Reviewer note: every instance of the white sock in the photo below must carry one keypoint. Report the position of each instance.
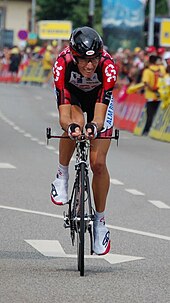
(62, 172)
(100, 217)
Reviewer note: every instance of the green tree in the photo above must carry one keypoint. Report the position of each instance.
(81, 13)
(70, 10)
(55, 10)
(161, 7)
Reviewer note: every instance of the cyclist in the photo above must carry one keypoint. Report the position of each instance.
(84, 77)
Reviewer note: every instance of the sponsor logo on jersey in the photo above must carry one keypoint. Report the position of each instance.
(57, 70)
(108, 123)
(85, 84)
(110, 72)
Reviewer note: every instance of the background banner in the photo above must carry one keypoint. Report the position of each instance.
(123, 23)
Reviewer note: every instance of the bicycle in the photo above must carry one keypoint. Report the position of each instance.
(80, 215)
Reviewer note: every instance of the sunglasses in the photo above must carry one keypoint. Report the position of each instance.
(93, 60)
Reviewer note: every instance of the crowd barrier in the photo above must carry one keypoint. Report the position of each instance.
(31, 73)
(6, 76)
(130, 115)
(128, 111)
(161, 125)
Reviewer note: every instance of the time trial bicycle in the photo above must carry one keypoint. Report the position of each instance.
(80, 215)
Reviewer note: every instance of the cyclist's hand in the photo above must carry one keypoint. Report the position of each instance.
(91, 130)
(74, 131)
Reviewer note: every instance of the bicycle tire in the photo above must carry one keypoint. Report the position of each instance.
(90, 212)
(80, 236)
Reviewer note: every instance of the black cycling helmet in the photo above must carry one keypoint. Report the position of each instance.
(85, 42)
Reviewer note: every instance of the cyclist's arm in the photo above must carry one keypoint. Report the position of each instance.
(64, 116)
(99, 115)
(109, 76)
(62, 94)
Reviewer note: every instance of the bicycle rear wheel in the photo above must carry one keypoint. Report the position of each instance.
(81, 231)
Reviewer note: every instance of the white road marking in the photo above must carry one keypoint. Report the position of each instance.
(42, 143)
(6, 165)
(116, 182)
(138, 232)
(159, 204)
(34, 139)
(50, 147)
(54, 114)
(53, 248)
(134, 192)
(16, 128)
(115, 258)
(27, 135)
(21, 131)
(10, 123)
(48, 248)
(32, 211)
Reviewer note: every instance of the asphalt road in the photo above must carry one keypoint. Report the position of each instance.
(37, 262)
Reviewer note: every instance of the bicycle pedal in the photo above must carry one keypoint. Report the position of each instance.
(66, 221)
(66, 224)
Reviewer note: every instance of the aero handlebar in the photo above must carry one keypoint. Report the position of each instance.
(50, 136)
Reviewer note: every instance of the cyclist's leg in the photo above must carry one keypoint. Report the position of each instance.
(101, 179)
(100, 185)
(98, 154)
(59, 191)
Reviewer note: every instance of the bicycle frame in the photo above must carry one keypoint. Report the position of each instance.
(80, 214)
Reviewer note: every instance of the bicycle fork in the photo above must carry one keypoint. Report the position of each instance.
(72, 218)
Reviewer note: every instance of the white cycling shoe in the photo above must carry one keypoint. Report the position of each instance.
(101, 238)
(59, 191)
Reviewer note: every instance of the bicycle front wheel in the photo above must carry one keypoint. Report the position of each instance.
(81, 232)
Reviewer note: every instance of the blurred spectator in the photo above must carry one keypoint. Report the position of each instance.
(54, 44)
(1, 60)
(7, 55)
(166, 58)
(162, 67)
(36, 54)
(150, 79)
(25, 60)
(164, 88)
(47, 62)
(4, 62)
(15, 59)
(160, 51)
(42, 49)
(151, 50)
(139, 63)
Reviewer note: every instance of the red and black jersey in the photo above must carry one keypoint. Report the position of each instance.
(68, 81)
